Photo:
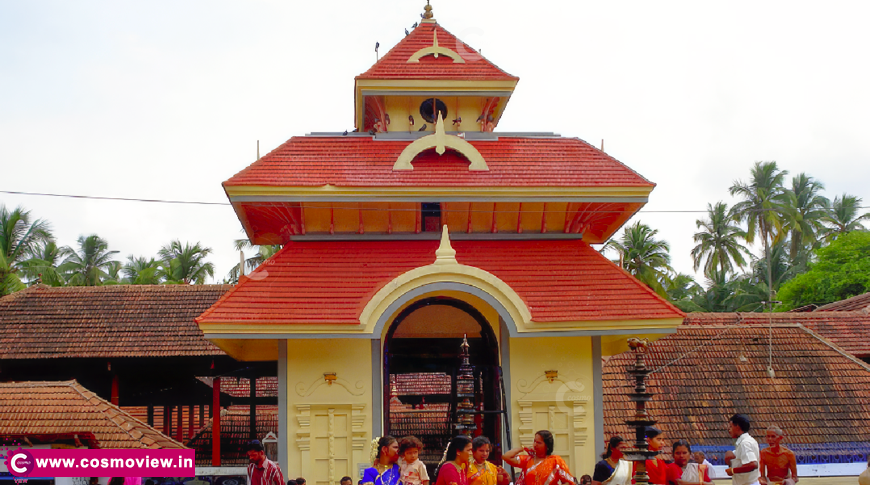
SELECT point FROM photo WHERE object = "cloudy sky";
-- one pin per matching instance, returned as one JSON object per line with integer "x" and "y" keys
{"x": 166, "y": 99}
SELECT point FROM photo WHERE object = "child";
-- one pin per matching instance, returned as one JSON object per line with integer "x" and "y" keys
{"x": 777, "y": 461}
{"x": 480, "y": 471}
{"x": 656, "y": 468}
{"x": 413, "y": 470}
{"x": 681, "y": 472}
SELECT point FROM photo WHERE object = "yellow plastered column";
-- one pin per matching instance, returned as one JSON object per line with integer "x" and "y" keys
{"x": 561, "y": 402}
{"x": 329, "y": 391}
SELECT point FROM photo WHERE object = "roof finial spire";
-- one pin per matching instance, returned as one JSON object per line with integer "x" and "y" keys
{"x": 427, "y": 15}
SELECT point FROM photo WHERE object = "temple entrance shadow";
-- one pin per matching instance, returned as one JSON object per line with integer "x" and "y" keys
{"x": 422, "y": 356}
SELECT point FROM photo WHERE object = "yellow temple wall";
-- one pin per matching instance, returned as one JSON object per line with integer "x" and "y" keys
{"x": 329, "y": 425}
{"x": 563, "y": 406}
{"x": 468, "y": 107}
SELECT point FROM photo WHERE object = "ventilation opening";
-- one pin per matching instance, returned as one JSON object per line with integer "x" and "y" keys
{"x": 430, "y": 108}
{"x": 431, "y": 216}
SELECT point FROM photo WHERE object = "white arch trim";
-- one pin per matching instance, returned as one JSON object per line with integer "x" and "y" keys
{"x": 439, "y": 277}
{"x": 386, "y": 317}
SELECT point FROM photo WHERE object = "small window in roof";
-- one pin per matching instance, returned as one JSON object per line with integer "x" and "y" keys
{"x": 428, "y": 109}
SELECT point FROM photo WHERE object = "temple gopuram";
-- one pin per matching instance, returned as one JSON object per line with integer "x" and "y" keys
{"x": 437, "y": 276}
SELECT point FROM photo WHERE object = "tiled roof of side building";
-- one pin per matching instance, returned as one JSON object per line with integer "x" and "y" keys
{"x": 106, "y": 321}
{"x": 849, "y": 330}
{"x": 818, "y": 394}
{"x": 394, "y": 64}
{"x": 361, "y": 161}
{"x": 235, "y": 433}
{"x": 856, "y": 303}
{"x": 332, "y": 281}
{"x": 46, "y": 411}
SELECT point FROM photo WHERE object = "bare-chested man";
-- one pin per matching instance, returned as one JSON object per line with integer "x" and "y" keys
{"x": 778, "y": 463}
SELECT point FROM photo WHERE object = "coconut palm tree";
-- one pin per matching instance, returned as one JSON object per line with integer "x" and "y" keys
{"x": 718, "y": 243}
{"x": 762, "y": 207}
{"x": 183, "y": 263}
{"x": 642, "y": 255}
{"x": 263, "y": 253}
{"x": 681, "y": 287}
{"x": 142, "y": 271}
{"x": 803, "y": 213}
{"x": 842, "y": 217}
{"x": 19, "y": 237}
{"x": 44, "y": 262}
{"x": 91, "y": 264}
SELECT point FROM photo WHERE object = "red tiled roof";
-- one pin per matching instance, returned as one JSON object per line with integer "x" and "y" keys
{"x": 106, "y": 321}
{"x": 241, "y": 386}
{"x": 819, "y": 394}
{"x": 235, "y": 434}
{"x": 394, "y": 64}
{"x": 849, "y": 330}
{"x": 856, "y": 303}
{"x": 46, "y": 411}
{"x": 361, "y": 161}
{"x": 332, "y": 281}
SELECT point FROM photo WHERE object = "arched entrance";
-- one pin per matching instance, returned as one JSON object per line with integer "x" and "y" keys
{"x": 422, "y": 358}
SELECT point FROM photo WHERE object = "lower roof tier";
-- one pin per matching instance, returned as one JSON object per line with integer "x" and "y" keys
{"x": 560, "y": 284}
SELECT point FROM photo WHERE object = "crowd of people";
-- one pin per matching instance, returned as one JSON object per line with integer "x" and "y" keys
{"x": 465, "y": 462}
{"x": 775, "y": 465}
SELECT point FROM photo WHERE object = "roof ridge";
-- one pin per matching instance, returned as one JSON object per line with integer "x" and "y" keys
{"x": 614, "y": 159}
{"x": 835, "y": 347}
{"x": 238, "y": 285}
{"x": 37, "y": 383}
{"x": 18, "y": 294}
{"x": 638, "y": 283}
{"x": 834, "y": 304}
{"x": 135, "y": 423}
{"x": 414, "y": 36}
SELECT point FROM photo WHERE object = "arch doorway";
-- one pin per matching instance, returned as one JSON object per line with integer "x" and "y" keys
{"x": 422, "y": 359}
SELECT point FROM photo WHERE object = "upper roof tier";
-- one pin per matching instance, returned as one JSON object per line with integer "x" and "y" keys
{"x": 424, "y": 154}
{"x": 431, "y": 63}
{"x": 400, "y": 62}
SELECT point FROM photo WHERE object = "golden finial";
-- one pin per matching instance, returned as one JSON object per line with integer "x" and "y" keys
{"x": 428, "y": 14}
{"x": 445, "y": 254}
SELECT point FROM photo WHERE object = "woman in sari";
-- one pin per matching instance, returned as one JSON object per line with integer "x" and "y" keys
{"x": 613, "y": 470}
{"x": 453, "y": 469}
{"x": 385, "y": 470}
{"x": 539, "y": 466}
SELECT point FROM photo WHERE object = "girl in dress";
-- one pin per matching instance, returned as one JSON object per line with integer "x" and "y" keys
{"x": 385, "y": 470}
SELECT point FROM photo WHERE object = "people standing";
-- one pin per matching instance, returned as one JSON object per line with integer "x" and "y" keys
{"x": 864, "y": 478}
{"x": 384, "y": 470}
{"x": 453, "y": 469}
{"x": 261, "y": 470}
{"x": 480, "y": 471}
{"x": 605, "y": 470}
{"x": 656, "y": 468}
{"x": 683, "y": 471}
{"x": 413, "y": 470}
{"x": 701, "y": 459}
{"x": 744, "y": 466}
{"x": 778, "y": 463}
{"x": 539, "y": 466}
